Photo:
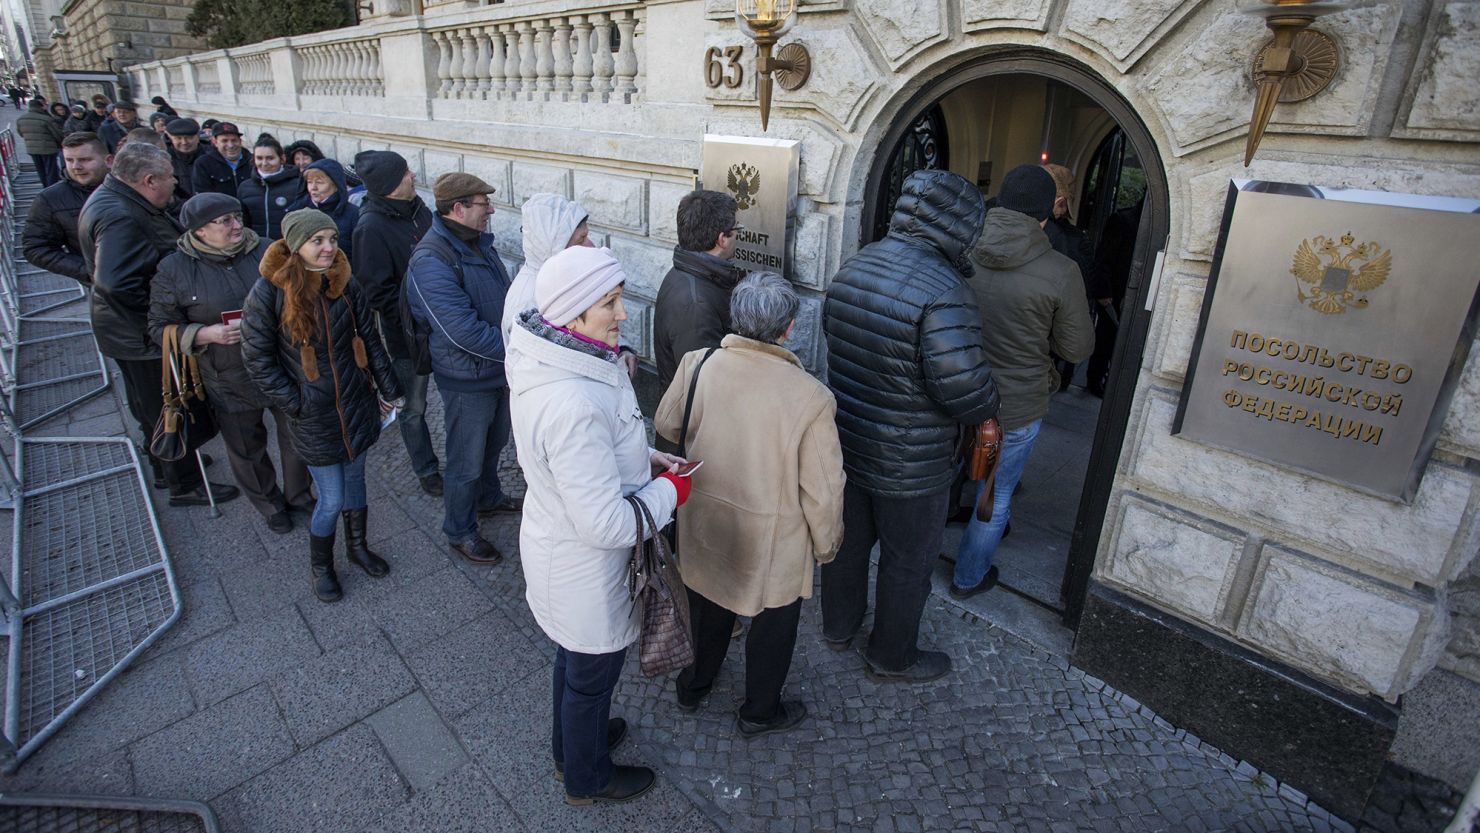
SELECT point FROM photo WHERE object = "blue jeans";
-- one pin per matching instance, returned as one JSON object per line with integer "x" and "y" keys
{"x": 979, "y": 544}
{"x": 583, "y": 703}
{"x": 413, "y": 418}
{"x": 477, "y": 431}
{"x": 341, "y": 486}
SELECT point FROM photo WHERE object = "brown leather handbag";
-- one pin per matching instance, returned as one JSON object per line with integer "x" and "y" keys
{"x": 666, "y": 643}
{"x": 186, "y": 421}
{"x": 983, "y": 454}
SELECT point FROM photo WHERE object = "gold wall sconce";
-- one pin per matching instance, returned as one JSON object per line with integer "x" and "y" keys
{"x": 765, "y": 21}
{"x": 1297, "y": 63}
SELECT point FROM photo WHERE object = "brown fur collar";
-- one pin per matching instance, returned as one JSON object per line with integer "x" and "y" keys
{"x": 283, "y": 269}
{"x": 300, "y": 288}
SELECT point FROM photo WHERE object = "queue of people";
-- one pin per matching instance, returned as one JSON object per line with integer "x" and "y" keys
{"x": 335, "y": 317}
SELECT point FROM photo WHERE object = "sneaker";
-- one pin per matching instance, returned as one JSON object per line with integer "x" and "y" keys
{"x": 507, "y": 506}
{"x": 197, "y": 496}
{"x": 616, "y": 732}
{"x": 628, "y": 782}
{"x": 432, "y": 484}
{"x": 477, "y": 551}
{"x": 791, "y": 713}
{"x": 930, "y": 665}
{"x": 280, "y": 522}
{"x": 987, "y": 583}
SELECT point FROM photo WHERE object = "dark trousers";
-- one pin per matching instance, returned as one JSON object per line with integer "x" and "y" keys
{"x": 245, "y": 435}
{"x": 477, "y": 431}
{"x": 768, "y": 650}
{"x": 141, "y": 392}
{"x": 413, "y": 418}
{"x": 583, "y": 704}
{"x": 46, "y": 168}
{"x": 909, "y": 533}
{"x": 1099, "y": 363}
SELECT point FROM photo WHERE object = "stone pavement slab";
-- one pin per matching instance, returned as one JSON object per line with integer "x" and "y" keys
{"x": 479, "y": 659}
{"x": 248, "y": 653}
{"x": 328, "y": 693}
{"x": 214, "y": 749}
{"x": 422, "y": 747}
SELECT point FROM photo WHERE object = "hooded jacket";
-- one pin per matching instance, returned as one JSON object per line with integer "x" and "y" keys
{"x": 50, "y": 238}
{"x": 693, "y": 308}
{"x": 123, "y": 238}
{"x": 42, "y": 134}
{"x": 75, "y": 124}
{"x": 548, "y": 221}
{"x": 461, "y": 304}
{"x": 582, "y": 443}
{"x": 333, "y": 416}
{"x": 265, "y": 199}
{"x": 1032, "y": 304}
{"x": 904, "y": 342}
{"x": 384, "y": 236}
{"x": 338, "y": 206}
{"x": 303, "y": 144}
{"x": 211, "y": 173}
{"x": 193, "y": 288}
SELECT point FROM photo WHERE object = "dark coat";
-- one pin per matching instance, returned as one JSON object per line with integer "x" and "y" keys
{"x": 123, "y": 238}
{"x": 462, "y": 303}
{"x": 693, "y": 308}
{"x": 333, "y": 416}
{"x": 195, "y": 288}
{"x": 73, "y": 124}
{"x": 384, "y": 236}
{"x": 50, "y": 240}
{"x": 184, "y": 167}
{"x": 264, "y": 202}
{"x": 42, "y": 134}
{"x": 1073, "y": 243}
{"x": 111, "y": 132}
{"x": 904, "y": 342}
{"x": 211, "y": 173}
{"x": 345, "y": 213}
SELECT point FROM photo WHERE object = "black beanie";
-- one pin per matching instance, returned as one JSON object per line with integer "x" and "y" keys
{"x": 380, "y": 170}
{"x": 205, "y": 207}
{"x": 1030, "y": 190}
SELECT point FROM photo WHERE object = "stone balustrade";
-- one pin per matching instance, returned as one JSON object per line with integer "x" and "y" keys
{"x": 348, "y": 68}
{"x": 207, "y": 77}
{"x": 253, "y": 74}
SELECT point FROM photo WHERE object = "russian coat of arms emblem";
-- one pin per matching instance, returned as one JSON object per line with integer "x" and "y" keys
{"x": 1335, "y": 273}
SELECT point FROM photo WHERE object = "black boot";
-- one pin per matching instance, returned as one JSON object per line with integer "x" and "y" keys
{"x": 321, "y": 555}
{"x": 354, "y": 544}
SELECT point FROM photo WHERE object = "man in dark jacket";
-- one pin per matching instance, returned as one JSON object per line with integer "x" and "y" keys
{"x": 124, "y": 231}
{"x": 125, "y": 118}
{"x": 185, "y": 150}
{"x": 1033, "y": 308}
{"x": 99, "y": 112}
{"x": 225, "y": 166}
{"x": 907, "y": 367}
{"x": 77, "y": 121}
{"x": 392, "y": 221}
{"x": 1071, "y": 241}
{"x": 50, "y": 239}
{"x": 693, "y": 307}
{"x": 455, "y": 286}
{"x": 43, "y": 137}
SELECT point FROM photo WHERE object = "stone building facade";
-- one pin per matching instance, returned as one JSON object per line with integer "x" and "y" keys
{"x": 1283, "y": 616}
{"x": 107, "y": 35}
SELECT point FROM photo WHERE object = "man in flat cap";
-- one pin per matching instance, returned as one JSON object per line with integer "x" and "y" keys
{"x": 125, "y": 118}
{"x": 455, "y": 288}
{"x": 185, "y": 149}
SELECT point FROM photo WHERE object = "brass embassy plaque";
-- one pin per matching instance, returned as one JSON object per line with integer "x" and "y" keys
{"x": 761, "y": 174}
{"x": 1334, "y": 329}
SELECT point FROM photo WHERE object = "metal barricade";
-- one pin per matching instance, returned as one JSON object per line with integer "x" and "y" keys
{"x": 103, "y": 814}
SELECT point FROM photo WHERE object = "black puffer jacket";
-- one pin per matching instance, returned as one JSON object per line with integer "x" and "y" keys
{"x": 193, "y": 288}
{"x": 123, "y": 238}
{"x": 384, "y": 236}
{"x": 693, "y": 308}
{"x": 50, "y": 239}
{"x": 212, "y": 174}
{"x": 331, "y": 407}
{"x": 266, "y": 199}
{"x": 905, "y": 343}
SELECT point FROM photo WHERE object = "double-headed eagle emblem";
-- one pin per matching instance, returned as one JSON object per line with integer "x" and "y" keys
{"x": 744, "y": 184}
{"x": 1348, "y": 271}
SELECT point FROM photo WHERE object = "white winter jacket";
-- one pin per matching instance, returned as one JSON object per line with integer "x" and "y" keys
{"x": 583, "y": 446}
{"x": 547, "y": 221}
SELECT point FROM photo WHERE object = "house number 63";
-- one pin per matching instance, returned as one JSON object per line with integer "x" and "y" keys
{"x": 722, "y": 66}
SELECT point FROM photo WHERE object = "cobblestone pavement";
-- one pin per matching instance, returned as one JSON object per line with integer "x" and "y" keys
{"x": 420, "y": 702}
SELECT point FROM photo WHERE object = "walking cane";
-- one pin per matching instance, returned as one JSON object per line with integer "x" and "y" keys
{"x": 205, "y": 481}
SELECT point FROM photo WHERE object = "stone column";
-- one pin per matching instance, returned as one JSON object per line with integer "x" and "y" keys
{"x": 413, "y": 80}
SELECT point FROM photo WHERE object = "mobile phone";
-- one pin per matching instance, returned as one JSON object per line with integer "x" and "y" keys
{"x": 686, "y": 469}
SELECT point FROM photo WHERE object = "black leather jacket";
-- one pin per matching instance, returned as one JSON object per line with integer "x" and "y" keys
{"x": 123, "y": 238}
{"x": 334, "y": 417}
{"x": 693, "y": 308}
{"x": 904, "y": 342}
{"x": 50, "y": 239}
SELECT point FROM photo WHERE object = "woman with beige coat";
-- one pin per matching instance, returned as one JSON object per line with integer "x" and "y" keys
{"x": 767, "y": 505}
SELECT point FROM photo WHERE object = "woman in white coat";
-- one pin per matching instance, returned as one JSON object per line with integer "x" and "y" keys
{"x": 583, "y": 447}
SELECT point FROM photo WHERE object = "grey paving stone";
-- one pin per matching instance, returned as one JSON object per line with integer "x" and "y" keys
{"x": 429, "y": 607}
{"x": 343, "y": 783}
{"x": 213, "y": 750}
{"x": 242, "y": 656}
{"x": 412, "y": 554}
{"x": 342, "y": 623}
{"x": 108, "y": 773}
{"x": 205, "y": 612}
{"x": 262, "y": 589}
{"x": 509, "y": 733}
{"x": 328, "y": 693}
{"x": 473, "y": 662}
{"x": 422, "y": 747}
{"x": 462, "y": 800}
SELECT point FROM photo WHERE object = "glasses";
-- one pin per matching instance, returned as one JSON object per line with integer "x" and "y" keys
{"x": 735, "y": 229}
{"x": 480, "y": 203}
{"x": 227, "y": 220}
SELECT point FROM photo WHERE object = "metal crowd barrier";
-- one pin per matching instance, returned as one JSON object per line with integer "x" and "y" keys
{"x": 100, "y": 814}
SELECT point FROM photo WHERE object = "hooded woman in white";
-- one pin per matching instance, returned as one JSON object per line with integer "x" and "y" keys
{"x": 551, "y": 223}
{"x": 583, "y": 446}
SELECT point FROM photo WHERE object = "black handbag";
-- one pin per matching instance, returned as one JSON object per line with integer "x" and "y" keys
{"x": 185, "y": 420}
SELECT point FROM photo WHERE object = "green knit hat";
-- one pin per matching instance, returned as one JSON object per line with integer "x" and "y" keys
{"x": 302, "y": 224}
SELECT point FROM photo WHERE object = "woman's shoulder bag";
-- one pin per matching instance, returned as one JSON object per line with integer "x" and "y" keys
{"x": 666, "y": 643}
{"x": 185, "y": 421}
{"x": 983, "y": 453}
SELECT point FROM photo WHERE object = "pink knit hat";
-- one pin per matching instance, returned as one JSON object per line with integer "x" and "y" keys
{"x": 573, "y": 280}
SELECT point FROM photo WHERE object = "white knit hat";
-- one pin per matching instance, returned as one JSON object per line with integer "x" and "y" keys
{"x": 573, "y": 280}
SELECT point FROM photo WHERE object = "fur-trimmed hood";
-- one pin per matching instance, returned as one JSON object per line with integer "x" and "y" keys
{"x": 280, "y": 267}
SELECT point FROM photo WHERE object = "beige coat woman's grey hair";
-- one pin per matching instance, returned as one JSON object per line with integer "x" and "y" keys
{"x": 768, "y": 502}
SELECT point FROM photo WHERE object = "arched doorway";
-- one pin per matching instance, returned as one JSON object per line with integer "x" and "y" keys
{"x": 1019, "y": 106}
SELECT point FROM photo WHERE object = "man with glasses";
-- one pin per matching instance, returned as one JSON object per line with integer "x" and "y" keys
{"x": 693, "y": 309}
{"x": 455, "y": 287}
